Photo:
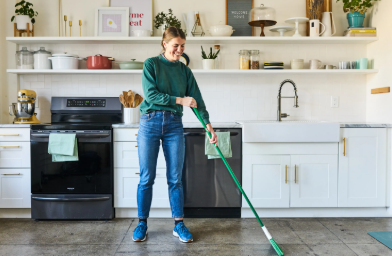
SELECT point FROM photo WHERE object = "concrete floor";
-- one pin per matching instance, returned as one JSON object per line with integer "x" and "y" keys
{"x": 338, "y": 236}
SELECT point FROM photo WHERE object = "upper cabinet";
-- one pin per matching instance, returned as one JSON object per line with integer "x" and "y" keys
{"x": 362, "y": 167}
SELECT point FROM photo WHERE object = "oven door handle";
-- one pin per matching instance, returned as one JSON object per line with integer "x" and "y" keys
{"x": 203, "y": 133}
{"x": 78, "y": 135}
{"x": 82, "y": 199}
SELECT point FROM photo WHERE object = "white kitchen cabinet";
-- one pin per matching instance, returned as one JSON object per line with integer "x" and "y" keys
{"x": 126, "y": 155}
{"x": 314, "y": 181}
{"x": 14, "y": 154}
{"x": 362, "y": 167}
{"x": 14, "y": 134}
{"x": 15, "y": 188}
{"x": 264, "y": 180}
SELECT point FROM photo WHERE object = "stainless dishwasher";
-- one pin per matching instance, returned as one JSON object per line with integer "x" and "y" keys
{"x": 209, "y": 189}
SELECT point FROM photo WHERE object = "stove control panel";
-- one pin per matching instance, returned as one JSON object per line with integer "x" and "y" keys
{"x": 86, "y": 103}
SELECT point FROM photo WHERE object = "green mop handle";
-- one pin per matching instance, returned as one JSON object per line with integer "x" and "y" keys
{"x": 228, "y": 167}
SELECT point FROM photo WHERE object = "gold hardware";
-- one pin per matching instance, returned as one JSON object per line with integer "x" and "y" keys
{"x": 286, "y": 174}
{"x": 9, "y": 146}
{"x": 295, "y": 174}
{"x": 9, "y": 134}
{"x": 136, "y": 146}
{"x": 70, "y": 28}
{"x": 65, "y": 23}
{"x": 137, "y": 172}
{"x": 80, "y": 25}
{"x": 10, "y": 173}
{"x": 344, "y": 146}
{"x": 136, "y": 134}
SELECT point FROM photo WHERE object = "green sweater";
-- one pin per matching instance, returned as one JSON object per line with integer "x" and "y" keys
{"x": 163, "y": 81}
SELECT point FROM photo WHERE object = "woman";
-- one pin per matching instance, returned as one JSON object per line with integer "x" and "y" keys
{"x": 168, "y": 85}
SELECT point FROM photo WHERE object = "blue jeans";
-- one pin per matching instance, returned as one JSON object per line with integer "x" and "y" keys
{"x": 154, "y": 127}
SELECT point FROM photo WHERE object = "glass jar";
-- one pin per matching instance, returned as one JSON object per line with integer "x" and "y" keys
{"x": 244, "y": 59}
{"x": 254, "y": 59}
{"x": 24, "y": 59}
{"x": 41, "y": 60}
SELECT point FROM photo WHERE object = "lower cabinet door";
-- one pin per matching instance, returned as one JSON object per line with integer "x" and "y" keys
{"x": 126, "y": 181}
{"x": 314, "y": 181}
{"x": 15, "y": 188}
{"x": 265, "y": 180}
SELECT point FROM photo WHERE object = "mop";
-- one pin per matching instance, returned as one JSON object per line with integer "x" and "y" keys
{"x": 267, "y": 234}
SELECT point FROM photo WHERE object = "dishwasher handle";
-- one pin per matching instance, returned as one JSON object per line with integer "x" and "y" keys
{"x": 203, "y": 133}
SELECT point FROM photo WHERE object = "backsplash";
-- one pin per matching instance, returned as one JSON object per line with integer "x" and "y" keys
{"x": 228, "y": 97}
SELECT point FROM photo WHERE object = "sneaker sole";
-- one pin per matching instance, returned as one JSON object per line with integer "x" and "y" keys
{"x": 176, "y": 235}
{"x": 142, "y": 240}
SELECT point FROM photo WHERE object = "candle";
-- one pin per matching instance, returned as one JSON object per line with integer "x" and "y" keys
{"x": 65, "y": 23}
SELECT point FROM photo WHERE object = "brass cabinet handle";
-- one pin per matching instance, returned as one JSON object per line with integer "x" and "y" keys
{"x": 9, "y": 146}
{"x": 136, "y": 134}
{"x": 286, "y": 175}
{"x": 10, "y": 173}
{"x": 344, "y": 146}
{"x": 137, "y": 172}
{"x": 9, "y": 134}
{"x": 136, "y": 146}
{"x": 295, "y": 174}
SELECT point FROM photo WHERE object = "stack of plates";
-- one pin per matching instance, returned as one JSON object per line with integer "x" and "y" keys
{"x": 273, "y": 65}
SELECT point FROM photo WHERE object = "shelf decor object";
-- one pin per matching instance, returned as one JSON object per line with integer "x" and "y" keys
{"x": 80, "y": 26}
{"x": 140, "y": 14}
{"x": 70, "y": 27}
{"x": 381, "y": 90}
{"x": 237, "y": 16}
{"x": 19, "y": 32}
{"x": 297, "y": 20}
{"x": 356, "y": 11}
{"x": 314, "y": 10}
{"x": 281, "y": 29}
{"x": 197, "y": 29}
{"x": 65, "y": 25}
{"x": 112, "y": 22}
{"x": 262, "y": 17}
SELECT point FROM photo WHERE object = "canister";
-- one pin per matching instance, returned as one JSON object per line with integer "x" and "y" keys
{"x": 41, "y": 60}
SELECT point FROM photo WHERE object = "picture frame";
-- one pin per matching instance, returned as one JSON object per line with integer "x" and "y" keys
{"x": 140, "y": 14}
{"x": 237, "y": 12}
{"x": 112, "y": 22}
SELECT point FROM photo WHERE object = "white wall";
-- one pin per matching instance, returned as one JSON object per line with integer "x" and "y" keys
{"x": 3, "y": 63}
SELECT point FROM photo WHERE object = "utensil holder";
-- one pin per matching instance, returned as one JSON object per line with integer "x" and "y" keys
{"x": 131, "y": 115}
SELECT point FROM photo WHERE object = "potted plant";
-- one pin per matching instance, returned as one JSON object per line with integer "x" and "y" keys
{"x": 356, "y": 10}
{"x": 24, "y": 15}
{"x": 209, "y": 60}
{"x": 166, "y": 20}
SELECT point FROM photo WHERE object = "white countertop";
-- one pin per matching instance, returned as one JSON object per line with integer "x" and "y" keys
{"x": 14, "y": 125}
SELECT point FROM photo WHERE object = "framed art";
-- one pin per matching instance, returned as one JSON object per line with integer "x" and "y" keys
{"x": 140, "y": 14}
{"x": 237, "y": 12}
{"x": 112, "y": 21}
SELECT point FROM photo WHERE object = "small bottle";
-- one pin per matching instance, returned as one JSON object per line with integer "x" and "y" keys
{"x": 218, "y": 59}
{"x": 244, "y": 59}
{"x": 254, "y": 62}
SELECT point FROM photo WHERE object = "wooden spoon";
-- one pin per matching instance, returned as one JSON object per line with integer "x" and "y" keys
{"x": 136, "y": 102}
{"x": 140, "y": 99}
{"x": 122, "y": 99}
{"x": 131, "y": 98}
{"x": 125, "y": 95}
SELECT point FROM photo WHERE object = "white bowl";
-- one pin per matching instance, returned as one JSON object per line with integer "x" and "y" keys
{"x": 221, "y": 30}
{"x": 141, "y": 33}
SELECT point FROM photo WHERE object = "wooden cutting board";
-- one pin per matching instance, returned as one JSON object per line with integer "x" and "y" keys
{"x": 315, "y": 9}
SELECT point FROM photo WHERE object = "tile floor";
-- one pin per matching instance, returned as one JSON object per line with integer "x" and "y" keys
{"x": 330, "y": 236}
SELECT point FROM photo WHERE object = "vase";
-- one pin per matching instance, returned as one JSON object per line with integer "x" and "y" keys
{"x": 131, "y": 115}
{"x": 355, "y": 19}
{"x": 163, "y": 28}
{"x": 21, "y": 22}
{"x": 209, "y": 64}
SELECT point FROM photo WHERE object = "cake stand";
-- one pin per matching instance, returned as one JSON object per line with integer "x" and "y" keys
{"x": 281, "y": 29}
{"x": 262, "y": 24}
{"x": 297, "y": 20}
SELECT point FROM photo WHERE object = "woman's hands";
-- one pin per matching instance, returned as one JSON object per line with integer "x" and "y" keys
{"x": 187, "y": 102}
{"x": 214, "y": 138}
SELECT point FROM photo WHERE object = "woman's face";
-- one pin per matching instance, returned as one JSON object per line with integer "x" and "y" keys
{"x": 174, "y": 49}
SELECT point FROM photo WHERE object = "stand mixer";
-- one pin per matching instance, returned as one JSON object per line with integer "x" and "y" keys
{"x": 24, "y": 109}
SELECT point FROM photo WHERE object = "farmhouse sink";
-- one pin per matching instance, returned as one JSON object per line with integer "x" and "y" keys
{"x": 290, "y": 131}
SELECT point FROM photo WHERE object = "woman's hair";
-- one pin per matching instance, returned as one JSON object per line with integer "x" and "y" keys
{"x": 170, "y": 33}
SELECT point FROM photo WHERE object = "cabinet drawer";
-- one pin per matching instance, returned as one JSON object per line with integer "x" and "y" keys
{"x": 12, "y": 134}
{"x": 15, "y": 188}
{"x": 125, "y": 134}
{"x": 126, "y": 155}
{"x": 14, "y": 154}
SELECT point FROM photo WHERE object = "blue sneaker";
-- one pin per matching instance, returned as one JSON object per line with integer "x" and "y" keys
{"x": 182, "y": 232}
{"x": 140, "y": 232}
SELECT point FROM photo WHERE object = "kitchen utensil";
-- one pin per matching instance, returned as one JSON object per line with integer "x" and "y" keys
{"x": 362, "y": 63}
{"x": 121, "y": 97}
{"x": 297, "y": 64}
{"x": 131, "y": 115}
{"x": 268, "y": 235}
{"x": 41, "y": 60}
{"x": 133, "y": 64}
{"x": 262, "y": 17}
{"x": 189, "y": 20}
{"x": 297, "y": 20}
{"x": 281, "y": 29}
{"x": 64, "y": 61}
{"x": 314, "y": 30}
{"x": 24, "y": 59}
{"x": 141, "y": 33}
{"x": 125, "y": 95}
{"x": 99, "y": 62}
{"x": 221, "y": 30}
{"x": 24, "y": 109}
{"x": 329, "y": 23}
{"x": 315, "y": 64}
{"x": 131, "y": 98}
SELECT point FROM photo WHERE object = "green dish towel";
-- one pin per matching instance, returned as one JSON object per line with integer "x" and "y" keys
{"x": 63, "y": 147}
{"x": 224, "y": 144}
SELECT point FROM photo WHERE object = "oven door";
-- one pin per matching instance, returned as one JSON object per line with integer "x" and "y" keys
{"x": 92, "y": 174}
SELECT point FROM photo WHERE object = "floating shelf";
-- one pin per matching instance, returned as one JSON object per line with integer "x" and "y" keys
{"x": 194, "y": 40}
{"x": 197, "y": 71}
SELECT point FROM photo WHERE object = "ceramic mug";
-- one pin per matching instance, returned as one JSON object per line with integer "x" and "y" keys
{"x": 297, "y": 64}
{"x": 344, "y": 65}
{"x": 314, "y": 28}
{"x": 329, "y": 67}
{"x": 315, "y": 64}
{"x": 362, "y": 63}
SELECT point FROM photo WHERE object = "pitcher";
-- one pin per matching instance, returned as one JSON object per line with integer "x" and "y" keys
{"x": 328, "y": 21}
{"x": 189, "y": 19}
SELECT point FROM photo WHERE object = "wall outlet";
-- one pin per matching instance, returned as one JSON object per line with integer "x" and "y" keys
{"x": 334, "y": 101}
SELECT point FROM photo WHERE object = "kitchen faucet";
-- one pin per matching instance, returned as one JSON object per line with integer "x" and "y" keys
{"x": 284, "y": 115}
